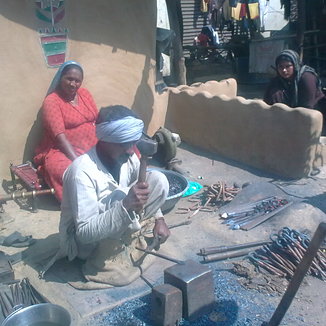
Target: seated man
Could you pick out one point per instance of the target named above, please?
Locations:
(101, 196)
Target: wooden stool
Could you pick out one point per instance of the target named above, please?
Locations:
(27, 176)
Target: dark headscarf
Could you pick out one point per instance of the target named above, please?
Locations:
(299, 70)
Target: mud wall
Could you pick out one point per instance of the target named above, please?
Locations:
(276, 139)
(113, 40)
(227, 87)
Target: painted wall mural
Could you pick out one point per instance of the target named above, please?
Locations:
(53, 34)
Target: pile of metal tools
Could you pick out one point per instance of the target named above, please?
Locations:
(282, 256)
(212, 198)
(16, 294)
(249, 216)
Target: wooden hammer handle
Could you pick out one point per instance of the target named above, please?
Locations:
(142, 169)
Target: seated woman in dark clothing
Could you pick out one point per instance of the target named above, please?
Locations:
(295, 85)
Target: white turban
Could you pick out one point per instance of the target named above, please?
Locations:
(125, 130)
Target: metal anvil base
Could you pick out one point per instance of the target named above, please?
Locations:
(197, 286)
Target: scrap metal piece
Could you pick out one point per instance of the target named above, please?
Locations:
(166, 305)
(197, 286)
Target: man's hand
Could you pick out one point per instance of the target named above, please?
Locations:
(161, 230)
(137, 197)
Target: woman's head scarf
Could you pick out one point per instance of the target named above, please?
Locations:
(56, 79)
(299, 70)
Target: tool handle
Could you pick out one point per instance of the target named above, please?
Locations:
(155, 244)
(142, 169)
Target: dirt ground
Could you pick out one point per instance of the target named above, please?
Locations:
(206, 230)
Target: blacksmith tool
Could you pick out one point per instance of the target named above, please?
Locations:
(298, 276)
(245, 208)
(255, 222)
(172, 226)
(147, 148)
(155, 244)
(248, 217)
(197, 286)
(180, 262)
(220, 249)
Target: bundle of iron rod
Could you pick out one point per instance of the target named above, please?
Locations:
(213, 197)
(284, 254)
(226, 252)
(253, 214)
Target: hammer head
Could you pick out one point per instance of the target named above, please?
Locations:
(147, 146)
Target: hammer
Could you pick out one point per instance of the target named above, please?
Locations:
(147, 148)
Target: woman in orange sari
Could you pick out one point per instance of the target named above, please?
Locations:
(69, 114)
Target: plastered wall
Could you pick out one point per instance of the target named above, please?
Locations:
(277, 139)
(227, 87)
(113, 40)
(115, 43)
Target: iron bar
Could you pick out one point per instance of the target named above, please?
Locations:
(220, 249)
(161, 256)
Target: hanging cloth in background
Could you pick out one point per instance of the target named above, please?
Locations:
(254, 10)
(217, 17)
(226, 10)
(204, 5)
(263, 5)
(271, 15)
(233, 3)
(241, 10)
(290, 9)
(235, 11)
(293, 11)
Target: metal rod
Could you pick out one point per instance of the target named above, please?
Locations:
(219, 249)
(162, 256)
(23, 194)
(299, 275)
(262, 218)
(171, 226)
(244, 208)
(226, 255)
